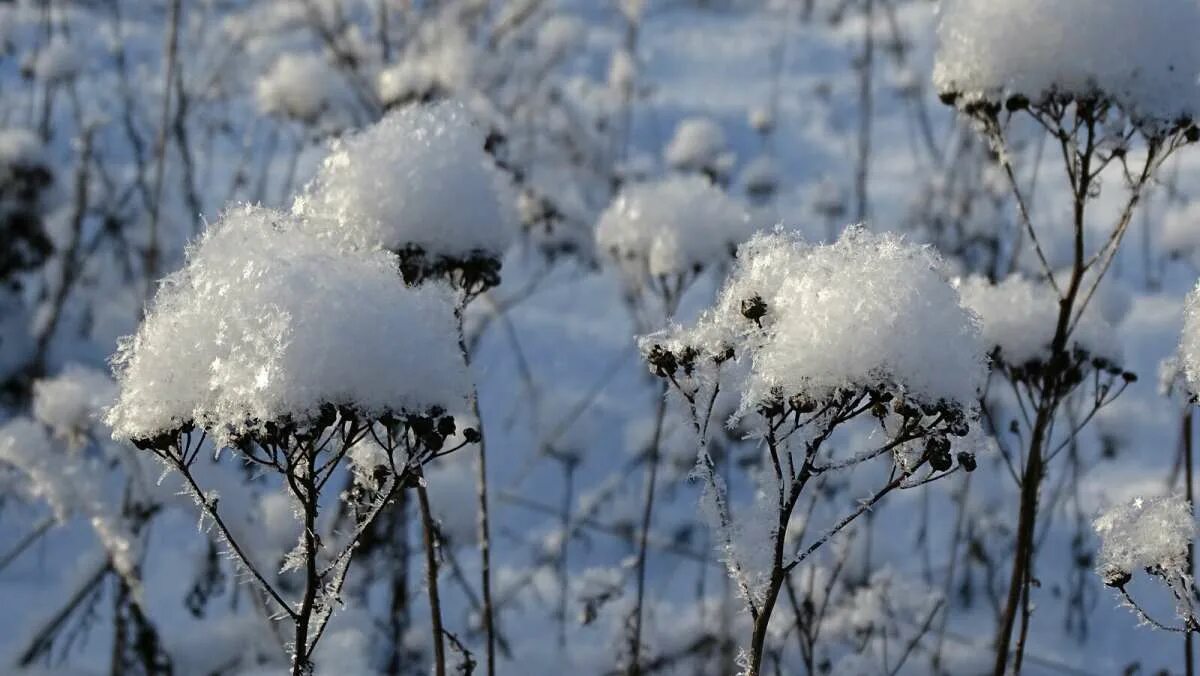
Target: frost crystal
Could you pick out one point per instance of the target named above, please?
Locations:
(1141, 55)
(419, 177)
(671, 227)
(1147, 533)
(264, 322)
(867, 311)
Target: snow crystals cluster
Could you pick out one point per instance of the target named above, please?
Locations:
(1019, 317)
(1140, 55)
(419, 177)
(671, 227)
(265, 322)
(1149, 533)
(867, 311)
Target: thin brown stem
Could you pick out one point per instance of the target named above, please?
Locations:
(431, 575)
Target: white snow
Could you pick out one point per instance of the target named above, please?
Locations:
(444, 66)
(72, 401)
(672, 226)
(301, 87)
(698, 144)
(1145, 533)
(265, 322)
(1141, 54)
(18, 148)
(419, 176)
(1181, 231)
(57, 61)
(1020, 315)
(866, 311)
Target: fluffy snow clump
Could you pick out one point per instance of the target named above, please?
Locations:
(672, 226)
(419, 177)
(1141, 55)
(1020, 316)
(1153, 533)
(265, 323)
(867, 311)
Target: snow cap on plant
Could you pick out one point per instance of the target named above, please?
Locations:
(265, 324)
(1149, 533)
(867, 312)
(699, 145)
(1142, 56)
(1019, 316)
(673, 226)
(418, 183)
(302, 87)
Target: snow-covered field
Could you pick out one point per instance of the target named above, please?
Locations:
(276, 275)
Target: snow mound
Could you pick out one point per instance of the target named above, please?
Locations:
(1141, 55)
(672, 226)
(264, 322)
(867, 311)
(1147, 533)
(419, 177)
(698, 145)
(301, 87)
(70, 402)
(1020, 316)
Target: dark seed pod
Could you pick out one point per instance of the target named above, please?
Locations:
(754, 308)
(1116, 578)
(967, 461)
(940, 461)
(421, 426)
(1016, 102)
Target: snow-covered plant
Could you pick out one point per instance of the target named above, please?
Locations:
(1134, 55)
(699, 146)
(662, 234)
(65, 462)
(290, 352)
(1114, 86)
(813, 338)
(1154, 535)
(417, 183)
(306, 89)
(420, 184)
(1018, 318)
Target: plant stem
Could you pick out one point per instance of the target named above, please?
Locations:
(652, 460)
(1188, 647)
(431, 574)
